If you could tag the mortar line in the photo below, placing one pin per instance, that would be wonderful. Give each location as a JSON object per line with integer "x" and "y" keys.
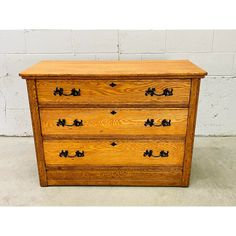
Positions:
{"x": 213, "y": 38}
{"x": 118, "y": 32}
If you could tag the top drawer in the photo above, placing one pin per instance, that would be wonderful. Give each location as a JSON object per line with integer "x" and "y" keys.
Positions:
{"x": 162, "y": 91}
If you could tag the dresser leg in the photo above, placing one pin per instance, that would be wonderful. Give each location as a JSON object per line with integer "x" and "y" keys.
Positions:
{"x": 43, "y": 184}
{"x": 185, "y": 184}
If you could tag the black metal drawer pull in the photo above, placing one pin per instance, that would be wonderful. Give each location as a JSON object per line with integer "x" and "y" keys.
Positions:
{"x": 149, "y": 153}
{"x": 150, "y": 122}
{"x": 152, "y": 92}
{"x": 62, "y": 122}
{"x": 65, "y": 153}
{"x": 60, "y": 92}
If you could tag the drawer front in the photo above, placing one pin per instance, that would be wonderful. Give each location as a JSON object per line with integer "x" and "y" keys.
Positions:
{"x": 161, "y": 91}
{"x": 114, "y": 152}
{"x": 99, "y": 121}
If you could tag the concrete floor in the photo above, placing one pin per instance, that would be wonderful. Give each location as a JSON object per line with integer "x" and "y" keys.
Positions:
{"x": 213, "y": 180}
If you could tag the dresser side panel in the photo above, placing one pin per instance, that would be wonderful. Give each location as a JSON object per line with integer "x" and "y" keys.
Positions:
{"x": 191, "y": 123}
{"x": 33, "y": 101}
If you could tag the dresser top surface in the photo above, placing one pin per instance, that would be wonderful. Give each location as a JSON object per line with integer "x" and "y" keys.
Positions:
{"x": 157, "y": 68}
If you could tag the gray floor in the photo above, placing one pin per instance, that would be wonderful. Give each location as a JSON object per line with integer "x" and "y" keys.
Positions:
{"x": 213, "y": 180}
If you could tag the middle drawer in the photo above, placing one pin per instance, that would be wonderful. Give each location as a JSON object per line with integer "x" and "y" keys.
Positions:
{"x": 117, "y": 121}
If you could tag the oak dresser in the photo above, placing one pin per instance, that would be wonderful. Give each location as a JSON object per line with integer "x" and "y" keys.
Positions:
{"x": 114, "y": 122}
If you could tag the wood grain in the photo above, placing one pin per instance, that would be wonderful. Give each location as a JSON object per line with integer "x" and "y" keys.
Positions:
{"x": 125, "y": 152}
{"x": 168, "y": 168}
{"x": 117, "y": 136}
{"x": 190, "y": 131}
{"x": 124, "y": 92}
{"x": 124, "y": 122}
{"x": 112, "y": 105}
{"x": 135, "y": 176}
{"x": 157, "y": 68}
{"x": 31, "y": 86}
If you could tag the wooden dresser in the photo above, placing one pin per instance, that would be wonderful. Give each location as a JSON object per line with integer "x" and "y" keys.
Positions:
{"x": 114, "y": 122}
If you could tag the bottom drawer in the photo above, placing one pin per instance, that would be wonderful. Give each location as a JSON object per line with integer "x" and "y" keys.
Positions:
{"x": 113, "y": 152}
{"x": 126, "y": 176}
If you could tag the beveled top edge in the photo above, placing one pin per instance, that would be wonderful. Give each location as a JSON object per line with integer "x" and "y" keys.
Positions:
{"x": 121, "y": 69}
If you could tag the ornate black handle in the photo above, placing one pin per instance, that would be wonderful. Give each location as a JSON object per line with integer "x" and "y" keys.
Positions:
{"x": 150, "y": 122}
{"x": 162, "y": 153}
{"x": 60, "y": 92}
{"x": 65, "y": 153}
{"x": 152, "y": 92}
{"x": 62, "y": 122}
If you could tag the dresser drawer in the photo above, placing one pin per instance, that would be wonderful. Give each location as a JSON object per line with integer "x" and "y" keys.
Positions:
{"x": 120, "y": 121}
{"x": 162, "y": 91}
{"x": 114, "y": 152}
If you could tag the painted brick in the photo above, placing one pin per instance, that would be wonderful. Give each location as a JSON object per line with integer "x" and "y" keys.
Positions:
{"x": 142, "y": 41}
{"x": 107, "y": 56}
{"x": 18, "y": 122}
{"x": 15, "y": 63}
{"x": 3, "y": 69}
{"x": 189, "y": 40}
{"x": 49, "y": 41}
{"x": 161, "y": 56}
{"x": 2, "y": 97}
{"x": 217, "y": 110}
{"x": 3, "y": 128}
{"x": 12, "y": 41}
{"x": 131, "y": 56}
{"x": 95, "y": 41}
{"x": 224, "y": 41}
{"x": 14, "y": 91}
{"x": 84, "y": 57}
{"x": 234, "y": 66}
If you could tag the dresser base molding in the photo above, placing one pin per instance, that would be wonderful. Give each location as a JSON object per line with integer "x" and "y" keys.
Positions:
{"x": 135, "y": 176}
{"x": 134, "y": 183}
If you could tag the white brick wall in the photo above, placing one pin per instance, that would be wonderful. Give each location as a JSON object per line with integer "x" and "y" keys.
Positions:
{"x": 189, "y": 40}
{"x": 215, "y": 51}
{"x": 142, "y": 41}
{"x": 224, "y": 41}
{"x": 3, "y": 69}
{"x": 96, "y": 41}
{"x": 49, "y": 41}
{"x": 12, "y": 41}
{"x": 217, "y": 106}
